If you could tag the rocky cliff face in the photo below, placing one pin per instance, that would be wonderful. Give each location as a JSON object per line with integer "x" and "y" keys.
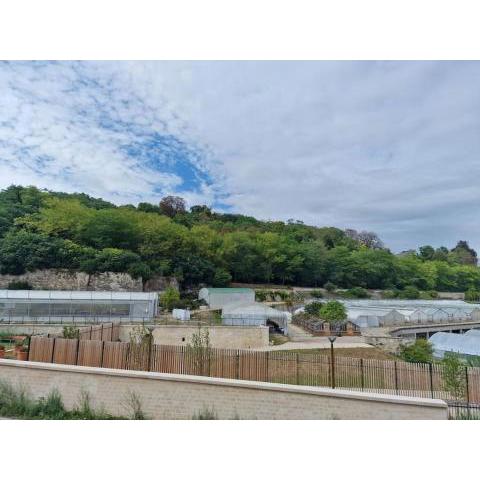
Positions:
{"x": 71, "y": 280}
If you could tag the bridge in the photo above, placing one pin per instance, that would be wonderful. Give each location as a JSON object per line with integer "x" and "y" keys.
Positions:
{"x": 426, "y": 331}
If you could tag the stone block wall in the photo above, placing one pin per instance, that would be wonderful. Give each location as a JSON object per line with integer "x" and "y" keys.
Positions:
{"x": 167, "y": 396}
{"x": 52, "y": 279}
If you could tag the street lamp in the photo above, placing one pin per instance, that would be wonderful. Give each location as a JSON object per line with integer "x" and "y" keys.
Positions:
{"x": 332, "y": 360}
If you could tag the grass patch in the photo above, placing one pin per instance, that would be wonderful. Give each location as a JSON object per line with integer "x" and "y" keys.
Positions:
{"x": 16, "y": 402}
{"x": 365, "y": 353}
{"x": 277, "y": 339}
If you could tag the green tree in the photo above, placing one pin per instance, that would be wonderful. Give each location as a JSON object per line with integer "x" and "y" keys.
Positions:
{"x": 169, "y": 298}
{"x": 333, "y": 312}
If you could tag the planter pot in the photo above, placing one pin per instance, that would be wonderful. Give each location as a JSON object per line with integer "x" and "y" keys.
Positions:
{"x": 21, "y": 355}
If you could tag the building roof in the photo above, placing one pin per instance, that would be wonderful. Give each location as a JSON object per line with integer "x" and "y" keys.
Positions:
{"x": 74, "y": 295}
{"x": 252, "y": 309}
{"x": 229, "y": 290}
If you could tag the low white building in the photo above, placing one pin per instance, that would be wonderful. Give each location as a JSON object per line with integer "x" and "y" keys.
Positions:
{"x": 217, "y": 298}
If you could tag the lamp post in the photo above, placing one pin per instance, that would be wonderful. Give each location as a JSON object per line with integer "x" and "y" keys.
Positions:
{"x": 332, "y": 360}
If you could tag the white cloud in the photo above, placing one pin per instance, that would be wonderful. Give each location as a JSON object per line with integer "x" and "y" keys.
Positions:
{"x": 391, "y": 147}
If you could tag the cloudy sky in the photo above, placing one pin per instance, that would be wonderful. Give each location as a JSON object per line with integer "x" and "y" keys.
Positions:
{"x": 392, "y": 147}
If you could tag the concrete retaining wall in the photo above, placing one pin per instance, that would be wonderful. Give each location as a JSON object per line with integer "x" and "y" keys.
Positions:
{"x": 220, "y": 336}
{"x": 166, "y": 396}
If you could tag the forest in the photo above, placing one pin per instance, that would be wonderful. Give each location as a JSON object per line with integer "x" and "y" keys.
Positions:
{"x": 44, "y": 229}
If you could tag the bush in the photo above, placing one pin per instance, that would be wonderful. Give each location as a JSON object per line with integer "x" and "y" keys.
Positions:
{"x": 169, "y": 298}
{"x": 333, "y": 311}
{"x": 316, "y": 294}
{"x": 313, "y": 308}
{"x": 409, "y": 293}
{"x": 419, "y": 352}
{"x": 472, "y": 295}
{"x": 357, "y": 292}
{"x": 454, "y": 375}
{"x": 330, "y": 287}
{"x": 388, "y": 294}
{"x": 260, "y": 295}
{"x": 19, "y": 285}
{"x": 69, "y": 331}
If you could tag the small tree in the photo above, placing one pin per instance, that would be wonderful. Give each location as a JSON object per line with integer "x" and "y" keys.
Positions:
{"x": 333, "y": 312}
{"x": 169, "y": 298}
{"x": 419, "y": 352}
{"x": 200, "y": 351}
{"x": 316, "y": 294}
{"x": 454, "y": 375}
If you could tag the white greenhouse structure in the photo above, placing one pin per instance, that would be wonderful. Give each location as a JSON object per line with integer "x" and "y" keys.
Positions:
{"x": 253, "y": 314}
{"x": 70, "y": 306}
{"x": 217, "y": 298}
{"x": 467, "y": 344}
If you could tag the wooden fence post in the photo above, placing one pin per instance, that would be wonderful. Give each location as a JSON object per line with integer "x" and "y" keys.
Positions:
{"x": 78, "y": 349}
{"x": 28, "y": 351}
{"x": 466, "y": 385}
{"x": 91, "y": 326}
{"x": 238, "y": 365}
{"x": 103, "y": 349}
{"x": 53, "y": 349}
{"x": 150, "y": 346}
{"x": 298, "y": 368}
{"x": 430, "y": 369}
{"x": 396, "y": 377}
{"x": 362, "y": 379}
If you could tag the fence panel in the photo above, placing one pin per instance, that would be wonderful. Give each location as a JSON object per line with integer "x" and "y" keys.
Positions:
{"x": 90, "y": 353}
{"x": 65, "y": 351}
{"x": 41, "y": 349}
{"x": 115, "y": 355}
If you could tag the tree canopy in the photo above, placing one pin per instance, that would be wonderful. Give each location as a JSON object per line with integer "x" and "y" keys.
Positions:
{"x": 43, "y": 229}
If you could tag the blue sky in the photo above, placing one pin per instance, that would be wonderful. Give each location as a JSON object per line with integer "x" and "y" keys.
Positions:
{"x": 386, "y": 146}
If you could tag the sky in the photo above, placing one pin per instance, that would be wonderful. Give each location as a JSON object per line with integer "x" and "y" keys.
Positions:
{"x": 391, "y": 147}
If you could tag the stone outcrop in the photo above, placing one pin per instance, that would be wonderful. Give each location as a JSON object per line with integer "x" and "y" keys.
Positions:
{"x": 71, "y": 280}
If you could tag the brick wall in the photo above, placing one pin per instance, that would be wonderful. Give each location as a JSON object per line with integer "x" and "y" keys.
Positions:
{"x": 166, "y": 396}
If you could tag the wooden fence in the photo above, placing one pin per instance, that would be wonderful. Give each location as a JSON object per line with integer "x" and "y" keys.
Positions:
{"x": 105, "y": 331}
{"x": 400, "y": 378}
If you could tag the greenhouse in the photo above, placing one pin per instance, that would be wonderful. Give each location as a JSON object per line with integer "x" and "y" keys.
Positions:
{"x": 467, "y": 344}
{"x": 217, "y": 298}
{"x": 254, "y": 314}
{"x": 64, "y": 306}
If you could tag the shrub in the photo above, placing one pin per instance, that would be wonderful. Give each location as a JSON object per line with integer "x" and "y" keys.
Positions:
{"x": 69, "y": 331}
{"x": 260, "y": 295}
{"x": 333, "y": 311}
{"x": 316, "y": 294}
{"x": 205, "y": 414}
{"x": 19, "y": 285}
{"x": 313, "y": 308}
{"x": 387, "y": 294}
{"x": 454, "y": 375}
{"x": 357, "y": 292}
{"x": 330, "y": 287}
{"x": 409, "y": 293}
{"x": 419, "y": 352}
{"x": 169, "y": 298}
{"x": 472, "y": 295}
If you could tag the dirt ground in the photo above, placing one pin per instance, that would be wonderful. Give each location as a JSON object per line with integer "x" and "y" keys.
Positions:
{"x": 361, "y": 352}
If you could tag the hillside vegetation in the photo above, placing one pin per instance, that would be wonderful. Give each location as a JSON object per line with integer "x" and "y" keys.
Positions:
{"x": 42, "y": 229}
